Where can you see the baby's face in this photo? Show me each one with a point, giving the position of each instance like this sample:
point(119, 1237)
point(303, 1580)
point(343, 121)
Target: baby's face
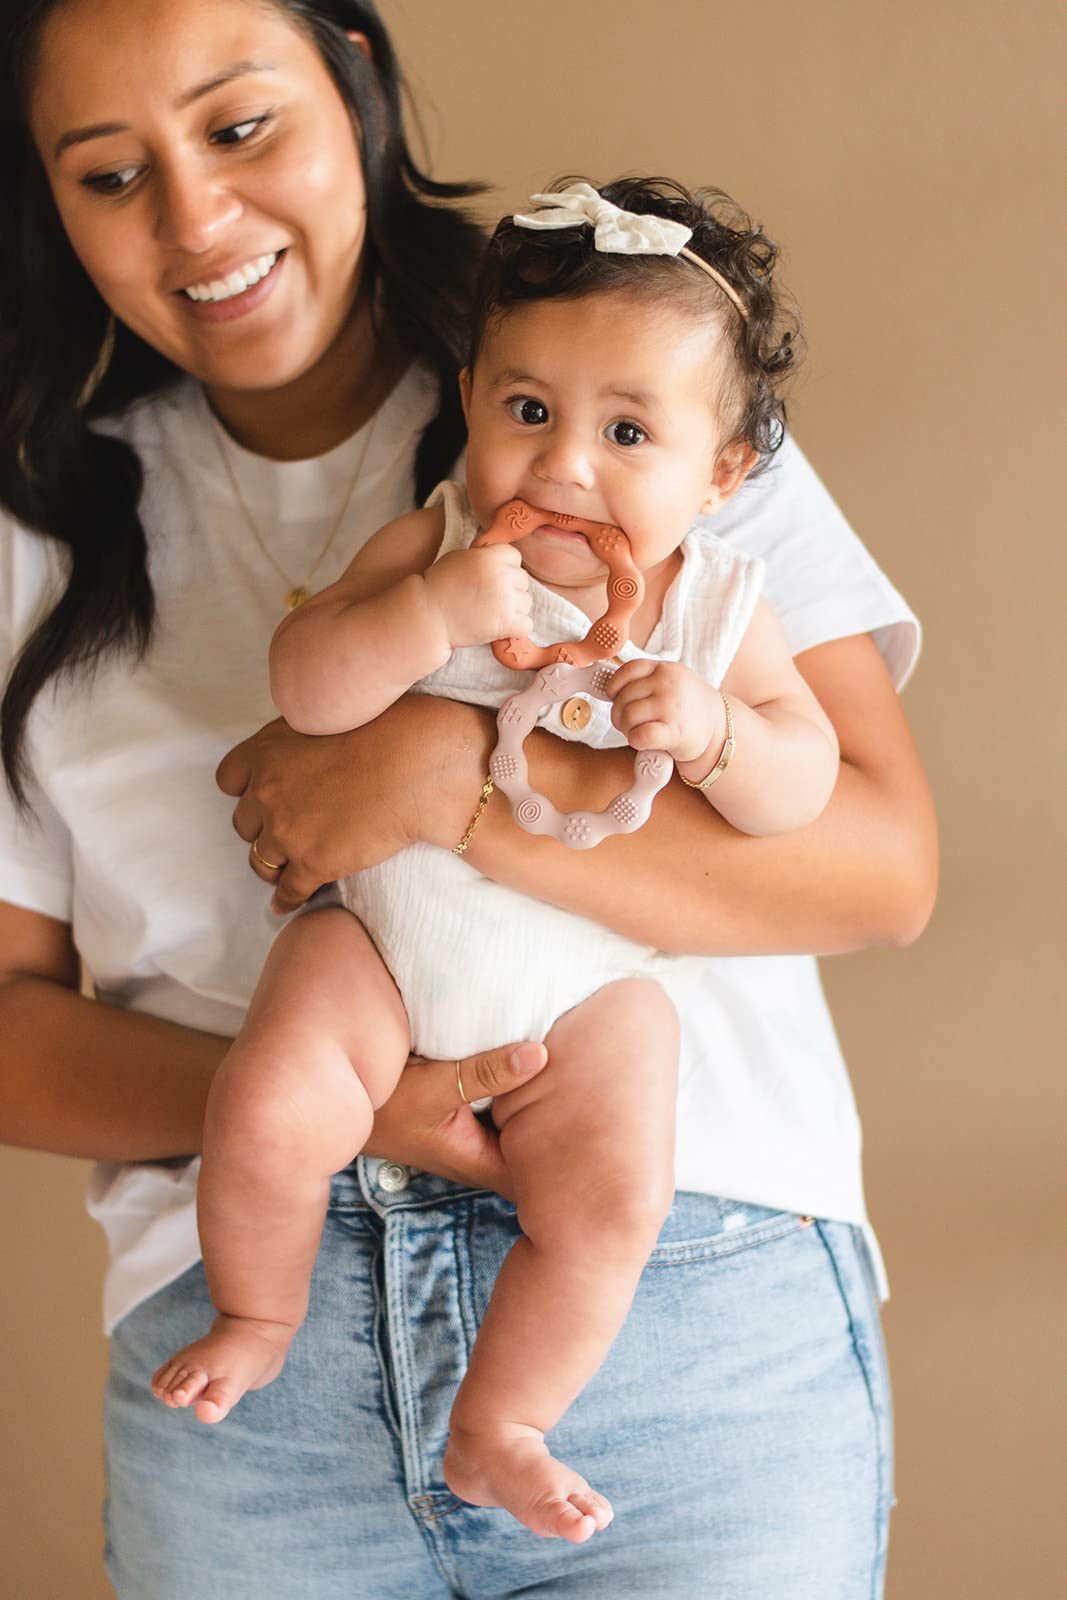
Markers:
point(599, 408)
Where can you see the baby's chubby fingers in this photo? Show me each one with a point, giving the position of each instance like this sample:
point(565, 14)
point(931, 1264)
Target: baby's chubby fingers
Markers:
point(629, 676)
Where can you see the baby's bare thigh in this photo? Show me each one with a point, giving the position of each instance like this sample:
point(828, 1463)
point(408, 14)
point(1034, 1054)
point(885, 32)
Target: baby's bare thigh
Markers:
point(598, 1123)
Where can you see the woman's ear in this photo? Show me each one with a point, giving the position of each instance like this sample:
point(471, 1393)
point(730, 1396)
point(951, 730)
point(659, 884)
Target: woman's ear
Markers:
point(731, 469)
point(465, 393)
point(362, 44)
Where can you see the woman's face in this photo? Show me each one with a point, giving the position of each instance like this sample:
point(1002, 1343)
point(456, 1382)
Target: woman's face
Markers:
point(207, 173)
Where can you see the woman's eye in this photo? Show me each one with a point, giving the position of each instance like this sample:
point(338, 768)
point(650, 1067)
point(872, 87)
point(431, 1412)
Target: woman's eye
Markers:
point(110, 182)
point(238, 132)
point(626, 433)
point(532, 412)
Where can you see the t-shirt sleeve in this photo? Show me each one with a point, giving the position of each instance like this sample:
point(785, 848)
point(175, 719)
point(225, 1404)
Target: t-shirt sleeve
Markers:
point(35, 856)
point(35, 845)
point(820, 579)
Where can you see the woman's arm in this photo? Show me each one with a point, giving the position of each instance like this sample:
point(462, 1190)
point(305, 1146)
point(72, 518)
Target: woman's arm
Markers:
point(78, 1078)
point(82, 1079)
point(864, 874)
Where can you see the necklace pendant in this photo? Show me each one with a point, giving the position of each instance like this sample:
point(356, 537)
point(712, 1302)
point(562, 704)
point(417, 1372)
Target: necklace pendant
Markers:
point(296, 597)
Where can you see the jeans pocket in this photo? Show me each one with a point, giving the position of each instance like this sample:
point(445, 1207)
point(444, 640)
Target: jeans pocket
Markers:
point(705, 1228)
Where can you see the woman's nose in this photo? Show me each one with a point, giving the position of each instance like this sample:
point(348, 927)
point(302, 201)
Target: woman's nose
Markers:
point(194, 212)
point(563, 457)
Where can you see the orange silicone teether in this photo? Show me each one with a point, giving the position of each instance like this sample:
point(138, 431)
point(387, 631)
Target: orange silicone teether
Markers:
point(626, 588)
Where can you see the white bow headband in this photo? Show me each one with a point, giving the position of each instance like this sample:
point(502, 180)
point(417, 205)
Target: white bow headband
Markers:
point(619, 232)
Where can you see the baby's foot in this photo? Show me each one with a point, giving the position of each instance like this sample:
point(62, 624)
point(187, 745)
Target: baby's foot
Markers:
point(240, 1353)
point(510, 1466)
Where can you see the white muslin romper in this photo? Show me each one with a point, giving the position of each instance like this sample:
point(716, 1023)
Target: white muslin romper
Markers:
point(476, 962)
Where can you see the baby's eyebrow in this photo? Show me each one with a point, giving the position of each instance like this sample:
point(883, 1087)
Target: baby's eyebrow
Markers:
point(635, 397)
point(513, 375)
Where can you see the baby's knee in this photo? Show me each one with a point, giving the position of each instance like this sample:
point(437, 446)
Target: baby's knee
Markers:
point(647, 1016)
point(617, 1214)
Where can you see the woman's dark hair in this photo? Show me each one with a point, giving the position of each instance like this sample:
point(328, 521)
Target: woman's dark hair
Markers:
point(81, 487)
point(522, 265)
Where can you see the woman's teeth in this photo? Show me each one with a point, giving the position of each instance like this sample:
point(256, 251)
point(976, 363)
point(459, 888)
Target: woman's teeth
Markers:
point(236, 283)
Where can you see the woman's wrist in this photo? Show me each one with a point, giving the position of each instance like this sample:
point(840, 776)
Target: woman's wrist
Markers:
point(448, 746)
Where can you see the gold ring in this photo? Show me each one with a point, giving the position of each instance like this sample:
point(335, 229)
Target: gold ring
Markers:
point(271, 866)
point(459, 1085)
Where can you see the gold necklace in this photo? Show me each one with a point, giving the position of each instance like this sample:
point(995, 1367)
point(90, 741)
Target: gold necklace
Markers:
point(297, 593)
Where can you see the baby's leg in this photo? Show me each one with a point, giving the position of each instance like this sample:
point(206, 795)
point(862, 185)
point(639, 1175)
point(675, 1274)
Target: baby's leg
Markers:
point(590, 1146)
point(324, 1042)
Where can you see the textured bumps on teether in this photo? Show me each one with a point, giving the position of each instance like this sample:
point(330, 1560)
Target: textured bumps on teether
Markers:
point(579, 830)
point(607, 637)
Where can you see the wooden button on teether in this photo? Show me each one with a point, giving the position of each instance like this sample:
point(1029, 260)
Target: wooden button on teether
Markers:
point(576, 714)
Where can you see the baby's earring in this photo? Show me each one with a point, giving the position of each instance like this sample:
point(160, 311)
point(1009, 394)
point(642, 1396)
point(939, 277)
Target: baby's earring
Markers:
point(713, 501)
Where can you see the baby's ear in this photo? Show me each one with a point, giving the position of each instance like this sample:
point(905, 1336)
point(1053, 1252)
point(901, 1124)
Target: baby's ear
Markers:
point(733, 466)
point(465, 391)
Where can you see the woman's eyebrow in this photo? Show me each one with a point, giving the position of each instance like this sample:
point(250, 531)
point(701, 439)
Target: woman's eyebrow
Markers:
point(102, 130)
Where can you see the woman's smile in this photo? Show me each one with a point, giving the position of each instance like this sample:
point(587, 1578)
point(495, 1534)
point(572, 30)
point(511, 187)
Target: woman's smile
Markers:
point(239, 292)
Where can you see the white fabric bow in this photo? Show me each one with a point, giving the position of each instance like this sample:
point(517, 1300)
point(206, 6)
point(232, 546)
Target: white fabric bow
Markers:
point(616, 232)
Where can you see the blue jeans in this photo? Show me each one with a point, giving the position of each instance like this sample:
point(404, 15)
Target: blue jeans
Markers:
point(740, 1425)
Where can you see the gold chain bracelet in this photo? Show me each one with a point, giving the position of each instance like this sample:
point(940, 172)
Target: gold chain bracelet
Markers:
point(487, 789)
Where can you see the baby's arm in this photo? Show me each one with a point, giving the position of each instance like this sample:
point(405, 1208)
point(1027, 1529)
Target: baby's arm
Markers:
point(393, 617)
point(785, 761)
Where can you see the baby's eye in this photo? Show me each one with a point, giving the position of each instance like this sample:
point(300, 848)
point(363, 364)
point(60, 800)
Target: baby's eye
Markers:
point(626, 433)
point(525, 409)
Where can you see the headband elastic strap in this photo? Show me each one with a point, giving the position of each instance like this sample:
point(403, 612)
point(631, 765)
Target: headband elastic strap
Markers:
point(727, 288)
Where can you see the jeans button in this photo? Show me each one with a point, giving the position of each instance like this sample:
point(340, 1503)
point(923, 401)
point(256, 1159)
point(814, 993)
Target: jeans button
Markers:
point(392, 1177)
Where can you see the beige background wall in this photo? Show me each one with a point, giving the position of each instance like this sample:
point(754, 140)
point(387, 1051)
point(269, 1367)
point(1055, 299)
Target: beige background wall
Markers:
point(905, 153)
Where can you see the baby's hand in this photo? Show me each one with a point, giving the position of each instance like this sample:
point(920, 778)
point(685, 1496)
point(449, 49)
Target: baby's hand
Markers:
point(482, 594)
point(662, 705)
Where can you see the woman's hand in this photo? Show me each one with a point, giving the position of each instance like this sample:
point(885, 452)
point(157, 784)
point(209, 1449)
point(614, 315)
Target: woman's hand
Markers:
point(426, 1124)
point(318, 808)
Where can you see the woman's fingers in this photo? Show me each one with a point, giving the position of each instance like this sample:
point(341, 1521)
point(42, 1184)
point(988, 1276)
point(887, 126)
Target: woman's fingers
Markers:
point(497, 1072)
point(426, 1124)
point(235, 769)
point(266, 859)
point(293, 889)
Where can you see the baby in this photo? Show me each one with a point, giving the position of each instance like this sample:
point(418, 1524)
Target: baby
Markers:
point(623, 370)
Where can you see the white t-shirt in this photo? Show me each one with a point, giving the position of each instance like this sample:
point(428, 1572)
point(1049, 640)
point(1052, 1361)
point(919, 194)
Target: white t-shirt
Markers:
point(132, 843)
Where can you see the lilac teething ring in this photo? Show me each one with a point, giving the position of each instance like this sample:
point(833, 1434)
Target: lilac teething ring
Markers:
point(626, 588)
point(566, 670)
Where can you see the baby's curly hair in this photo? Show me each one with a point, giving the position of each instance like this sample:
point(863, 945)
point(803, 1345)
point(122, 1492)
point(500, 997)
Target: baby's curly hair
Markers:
point(523, 265)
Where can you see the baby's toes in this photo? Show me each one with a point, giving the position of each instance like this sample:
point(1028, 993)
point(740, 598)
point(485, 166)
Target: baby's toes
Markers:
point(217, 1400)
point(571, 1523)
point(593, 1505)
point(178, 1383)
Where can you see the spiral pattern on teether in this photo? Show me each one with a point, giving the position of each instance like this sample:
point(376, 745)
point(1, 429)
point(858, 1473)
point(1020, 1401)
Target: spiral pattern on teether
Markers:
point(649, 764)
point(528, 811)
point(623, 588)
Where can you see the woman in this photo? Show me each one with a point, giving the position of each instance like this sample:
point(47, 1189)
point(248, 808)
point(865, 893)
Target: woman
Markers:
point(230, 183)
